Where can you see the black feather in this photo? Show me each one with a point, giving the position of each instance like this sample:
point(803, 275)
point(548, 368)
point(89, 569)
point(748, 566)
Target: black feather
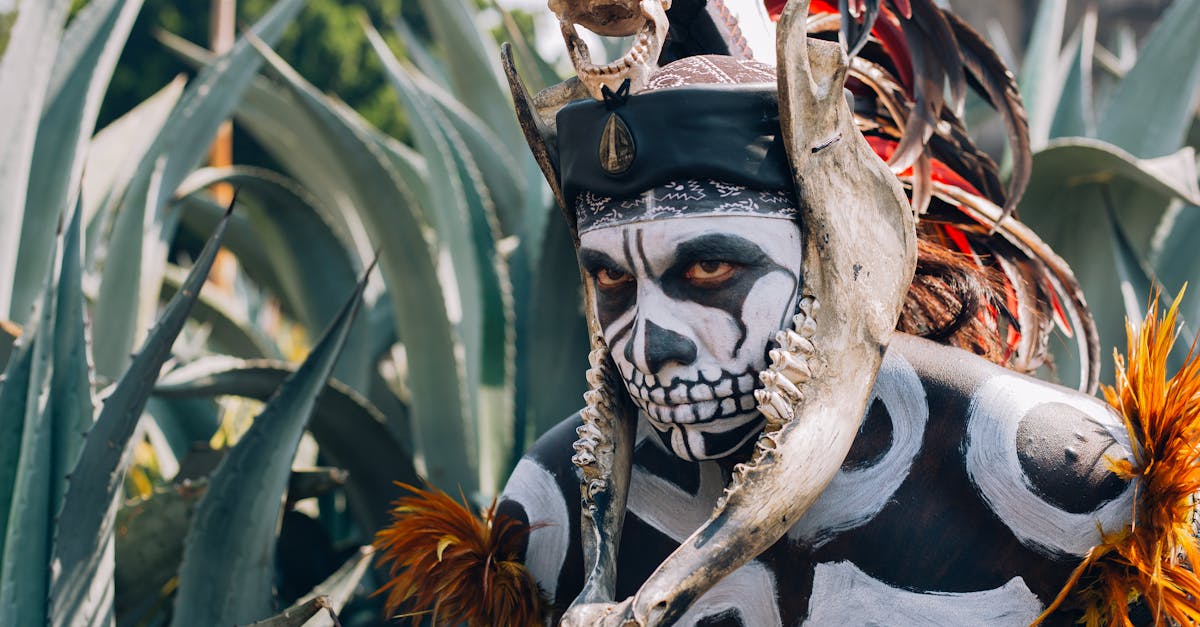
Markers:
point(856, 30)
point(1000, 88)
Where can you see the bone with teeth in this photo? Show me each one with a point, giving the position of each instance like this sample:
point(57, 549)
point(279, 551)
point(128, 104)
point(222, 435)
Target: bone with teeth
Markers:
point(614, 18)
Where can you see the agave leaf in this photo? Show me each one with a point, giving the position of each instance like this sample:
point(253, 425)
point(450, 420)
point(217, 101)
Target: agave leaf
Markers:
point(25, 71)
point(218, 586)
point(423, 292)
point(1074, 180)
point(1039, 78)
point(279, 123)
point(83, 532)
point(420, 54)
point(303, 251)
point(23, 574)
point(199, 214)
point(149, 542)
point(140, 232)
point(528, 59)
point(498, 165)
point(82, 70)
point(1175, 257)
point(70, 386)
point(464, 217)
point(14, 392)
point(230, 332)
point(1149, 112)
point(470, 56)
point(351, 432)
point(113, 154)
point(1075, 114)
point(557, 344)
point(340, 586)
point(185, 422)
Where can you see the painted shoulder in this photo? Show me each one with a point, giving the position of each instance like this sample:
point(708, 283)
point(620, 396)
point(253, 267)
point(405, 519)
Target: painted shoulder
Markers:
point(543, 491)
point(1032, 448)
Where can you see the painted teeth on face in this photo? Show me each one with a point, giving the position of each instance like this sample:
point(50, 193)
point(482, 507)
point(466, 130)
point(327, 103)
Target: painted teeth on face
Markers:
point(678, 394)
point(746, 382)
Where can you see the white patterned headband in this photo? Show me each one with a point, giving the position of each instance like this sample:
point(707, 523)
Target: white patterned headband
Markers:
point(683, 199)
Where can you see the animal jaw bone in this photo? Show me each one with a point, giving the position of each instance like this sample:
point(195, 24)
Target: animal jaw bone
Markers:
point(647, 20)
point(604, 455)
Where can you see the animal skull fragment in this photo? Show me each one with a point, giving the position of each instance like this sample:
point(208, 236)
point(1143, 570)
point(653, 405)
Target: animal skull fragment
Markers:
point(644, 19)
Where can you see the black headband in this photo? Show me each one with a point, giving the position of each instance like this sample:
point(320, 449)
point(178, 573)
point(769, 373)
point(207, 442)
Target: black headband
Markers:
point(626, 145)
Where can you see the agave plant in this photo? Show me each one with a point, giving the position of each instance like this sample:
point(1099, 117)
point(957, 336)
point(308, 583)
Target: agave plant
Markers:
point(1114, 186)
point(445, 362)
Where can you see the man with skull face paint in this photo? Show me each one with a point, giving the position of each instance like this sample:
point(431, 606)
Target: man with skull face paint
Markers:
point(693, 278)
point(758, 448)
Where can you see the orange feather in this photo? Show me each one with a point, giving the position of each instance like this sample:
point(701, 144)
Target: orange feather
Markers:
point(1154, 558)
point(455, 566)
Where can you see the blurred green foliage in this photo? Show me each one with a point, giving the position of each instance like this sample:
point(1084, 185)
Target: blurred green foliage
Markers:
point(326, 44)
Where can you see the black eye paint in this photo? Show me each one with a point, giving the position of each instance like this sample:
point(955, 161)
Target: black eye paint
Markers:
point(613, 301)
point(730, 296)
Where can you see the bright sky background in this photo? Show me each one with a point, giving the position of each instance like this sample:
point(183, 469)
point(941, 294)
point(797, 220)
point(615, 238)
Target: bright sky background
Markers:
point(759, 31)
point(7, 5)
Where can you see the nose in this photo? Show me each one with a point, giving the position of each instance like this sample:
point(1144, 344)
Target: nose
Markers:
point(660, 347)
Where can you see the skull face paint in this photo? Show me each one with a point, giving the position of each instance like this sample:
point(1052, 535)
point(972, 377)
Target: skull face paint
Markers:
point(688, 305)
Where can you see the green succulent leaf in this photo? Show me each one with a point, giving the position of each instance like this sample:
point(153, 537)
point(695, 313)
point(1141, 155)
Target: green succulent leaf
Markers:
point(1149, 112)
point(1039, 78)
point(314, 268)
point(351, 432)
point(420, 283)
point(229, 331)
point(463, 214)
point(83, 532)
point(149, 542)
point(82, 70)
point(72, 409)
point(1075, 180)
point(113, 156)
point(219, 586)
point(25, 72)
point(29, 510)
point(129, 280)
point(1075, 115)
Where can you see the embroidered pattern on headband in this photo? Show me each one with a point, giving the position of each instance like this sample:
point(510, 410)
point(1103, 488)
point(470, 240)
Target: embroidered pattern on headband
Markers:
point(682, 198)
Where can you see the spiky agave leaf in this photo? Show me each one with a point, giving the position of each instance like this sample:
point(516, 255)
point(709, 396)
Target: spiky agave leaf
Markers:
point(1154, 558)
point(457, 566)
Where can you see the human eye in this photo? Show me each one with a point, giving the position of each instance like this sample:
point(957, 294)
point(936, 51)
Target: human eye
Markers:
point(710, 273)
point(612, 278)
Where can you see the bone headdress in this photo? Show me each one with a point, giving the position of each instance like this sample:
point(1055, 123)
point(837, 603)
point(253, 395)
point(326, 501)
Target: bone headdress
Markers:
point(645, 20)
point(859, 257)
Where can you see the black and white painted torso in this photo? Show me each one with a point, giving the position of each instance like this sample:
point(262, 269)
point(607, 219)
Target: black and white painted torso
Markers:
point(968, 497)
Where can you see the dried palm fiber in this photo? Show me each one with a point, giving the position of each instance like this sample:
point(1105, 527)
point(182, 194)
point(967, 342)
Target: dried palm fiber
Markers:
point(456, 567)
point(984, 282)
point(1153, 560)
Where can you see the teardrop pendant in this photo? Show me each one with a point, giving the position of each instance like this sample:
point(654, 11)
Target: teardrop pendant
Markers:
point(616, 146)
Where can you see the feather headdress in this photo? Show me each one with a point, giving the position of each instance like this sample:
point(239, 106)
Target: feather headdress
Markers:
point(909, 54)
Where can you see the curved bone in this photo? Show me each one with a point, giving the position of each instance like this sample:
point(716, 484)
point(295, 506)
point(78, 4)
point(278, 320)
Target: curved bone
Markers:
point(604, 454)
point(859, 256)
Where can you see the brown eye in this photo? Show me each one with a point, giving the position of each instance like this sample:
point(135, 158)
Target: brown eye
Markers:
point(608, 278)
point(710, 273)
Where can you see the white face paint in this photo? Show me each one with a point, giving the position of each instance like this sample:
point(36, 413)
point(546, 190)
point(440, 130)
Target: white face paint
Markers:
point(688, 306)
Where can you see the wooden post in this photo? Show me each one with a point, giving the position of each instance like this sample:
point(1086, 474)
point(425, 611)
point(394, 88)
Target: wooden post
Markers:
point(220, 37)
